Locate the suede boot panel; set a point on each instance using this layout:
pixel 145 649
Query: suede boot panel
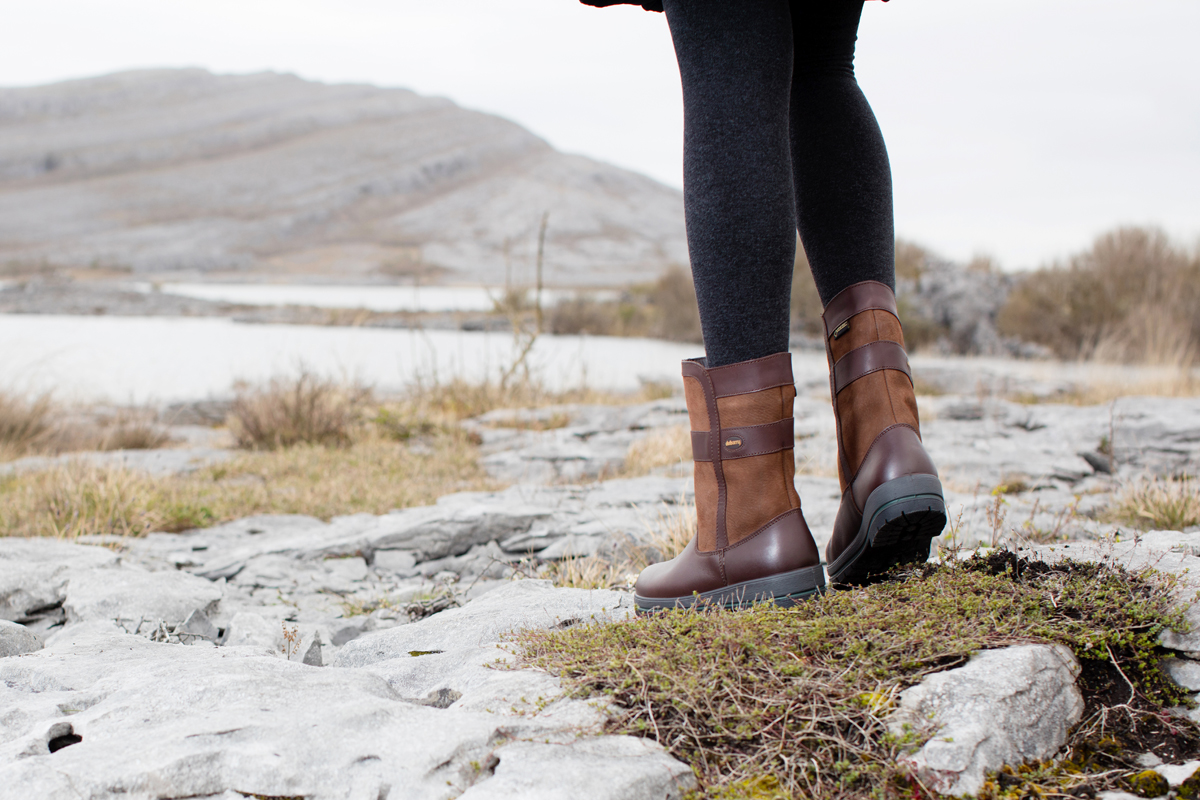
pixel 697 406
pixel 865 327
pixel 706 506
pixel 758 487
pixel 789 475
pixel 757 493
pixel 864 410
pixel 755 408
pixel 904 400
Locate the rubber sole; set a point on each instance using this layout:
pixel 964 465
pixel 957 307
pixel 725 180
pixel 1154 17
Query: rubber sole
pixel 900 520
pixel 785 589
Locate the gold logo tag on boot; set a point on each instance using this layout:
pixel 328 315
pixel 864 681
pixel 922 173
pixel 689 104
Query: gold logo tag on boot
pixel 733 443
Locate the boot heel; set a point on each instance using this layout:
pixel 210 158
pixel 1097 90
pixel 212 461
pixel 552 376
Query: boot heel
pixel 899 521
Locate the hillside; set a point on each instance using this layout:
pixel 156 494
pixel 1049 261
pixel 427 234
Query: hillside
pixel 170 171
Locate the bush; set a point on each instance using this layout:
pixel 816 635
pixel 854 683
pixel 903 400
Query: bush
pixel 1132 297
pixel 40 426
pixel 307 409
pixel 25 425
pixel 665 309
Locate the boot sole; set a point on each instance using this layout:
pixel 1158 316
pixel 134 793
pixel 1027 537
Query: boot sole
pixel 784 590
pixel 900 520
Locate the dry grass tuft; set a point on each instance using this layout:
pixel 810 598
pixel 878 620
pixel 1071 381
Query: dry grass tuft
pixel 26 426
pixel 1158 503
pixel 306 409
pixel 662 448
pixel 666 536
pixel 39 426
pixel 373 475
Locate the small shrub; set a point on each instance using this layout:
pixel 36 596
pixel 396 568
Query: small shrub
pixel 1158 503
pixel 1130 298
pixel 130 429
pixel 665 309
pixel 307 409
pixel 39 426
pixel 25 425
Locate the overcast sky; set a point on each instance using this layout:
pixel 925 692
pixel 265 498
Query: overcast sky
pixel 1018 129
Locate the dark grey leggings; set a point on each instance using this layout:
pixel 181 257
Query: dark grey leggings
pixel 777 138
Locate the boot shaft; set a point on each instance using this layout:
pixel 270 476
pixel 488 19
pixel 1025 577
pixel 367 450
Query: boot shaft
pixel 869 376
pixel 742 443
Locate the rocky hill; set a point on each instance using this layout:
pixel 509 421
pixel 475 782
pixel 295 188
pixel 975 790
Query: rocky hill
pixel 181 170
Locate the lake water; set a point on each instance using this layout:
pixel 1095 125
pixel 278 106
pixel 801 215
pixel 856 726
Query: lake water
pixel 373 298
pixel 162 359
pixel 156 359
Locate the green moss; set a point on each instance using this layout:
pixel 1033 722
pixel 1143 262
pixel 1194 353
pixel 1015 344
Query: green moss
pixel 1190 788
pixel 1147 783
pixel 793 702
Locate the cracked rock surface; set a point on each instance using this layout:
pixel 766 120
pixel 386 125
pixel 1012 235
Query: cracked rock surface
pixel 366 656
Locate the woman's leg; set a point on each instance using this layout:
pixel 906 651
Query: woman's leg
pixel 842 178
pixel 751 542
pixel 735 62
pixel 892 504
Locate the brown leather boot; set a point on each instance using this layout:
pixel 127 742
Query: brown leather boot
pixel 752 542
pixel 892 504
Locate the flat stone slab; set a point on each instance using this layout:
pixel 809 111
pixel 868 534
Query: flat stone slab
pixel 16 639
pixel 1004 706
pixel 105 713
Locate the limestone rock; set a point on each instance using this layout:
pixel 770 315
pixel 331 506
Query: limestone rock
pixel 611 768
pixel 1003 707
pixel 135 596
pixel 17 639
pixel 518 605
pixel 33 573
pixel 1184 672
pixel 248 629
pixel 103 713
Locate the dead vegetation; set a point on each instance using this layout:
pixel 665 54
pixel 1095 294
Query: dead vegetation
pixel 1171 504
pixel 308 445
pixel 39 426
pixel 666 536
pixel 306 409
pixel 668 447
pixel 1130 298
pixel 665 309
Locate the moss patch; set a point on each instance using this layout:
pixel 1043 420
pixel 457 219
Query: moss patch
pixel 793 702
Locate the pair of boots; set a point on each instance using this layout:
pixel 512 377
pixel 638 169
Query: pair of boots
pixel 752 542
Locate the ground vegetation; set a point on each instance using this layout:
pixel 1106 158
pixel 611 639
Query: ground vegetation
pixel 793 703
